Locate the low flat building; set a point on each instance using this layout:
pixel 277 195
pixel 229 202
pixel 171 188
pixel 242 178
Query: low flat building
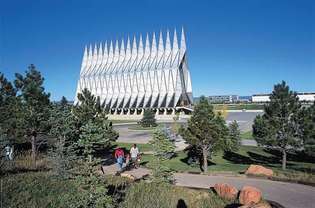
pixel 222 98
pixel 304 97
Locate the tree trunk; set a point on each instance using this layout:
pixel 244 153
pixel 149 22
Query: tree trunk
pixel 90 158
pixel 284 159
pixel 33 141
pixel 205 159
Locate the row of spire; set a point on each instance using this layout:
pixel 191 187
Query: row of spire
pixel 116 50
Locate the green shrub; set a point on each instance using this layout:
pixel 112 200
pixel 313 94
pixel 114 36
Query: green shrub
pixel 148 119
pixel 40 189
pixel 162 195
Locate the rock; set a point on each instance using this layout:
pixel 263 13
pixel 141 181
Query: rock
pixel 126 175
pixel 258 170
pixel 225 191
pixel 259 205
pixel 249 195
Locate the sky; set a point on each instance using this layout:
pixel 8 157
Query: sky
pixel 239 47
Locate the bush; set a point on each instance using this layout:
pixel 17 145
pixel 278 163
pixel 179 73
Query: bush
pixel 23 161
pixel 148 119
pixel 40 189
pixel 161 195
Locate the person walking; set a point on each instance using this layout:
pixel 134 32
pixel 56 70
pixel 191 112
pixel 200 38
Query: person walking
pixel 134 153
pixel 119 155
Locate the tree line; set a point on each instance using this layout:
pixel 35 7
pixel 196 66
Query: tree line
pixel 285 125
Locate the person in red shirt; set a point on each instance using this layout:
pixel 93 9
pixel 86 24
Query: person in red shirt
pixel 119 155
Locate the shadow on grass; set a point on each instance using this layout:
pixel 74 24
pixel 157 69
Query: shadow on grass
pixel 181 204
pixel 262 159
pixel 237 158
pixel 297 156
pixel 196 161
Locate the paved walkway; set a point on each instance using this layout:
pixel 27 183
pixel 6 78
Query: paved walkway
pixel 289 195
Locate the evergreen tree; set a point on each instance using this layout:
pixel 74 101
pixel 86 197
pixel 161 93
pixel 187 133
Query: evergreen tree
pixel 88 107
pixel 278 127
pixel 35 105
pixel 163 149
pixel 95 134
pixel 206 130
pixel 63 101
pixel 11 110
pixel 307 128
pixel 63 127
pixel 148 119
pixel 94 127
pixel 233 142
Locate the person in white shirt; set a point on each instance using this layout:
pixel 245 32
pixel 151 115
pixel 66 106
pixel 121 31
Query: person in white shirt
pixel 134 153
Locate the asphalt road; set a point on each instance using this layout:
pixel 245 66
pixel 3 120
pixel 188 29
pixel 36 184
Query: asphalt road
pixel 289 195
pixel 244 119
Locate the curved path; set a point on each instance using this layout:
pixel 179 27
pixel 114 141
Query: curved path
pixel 289 195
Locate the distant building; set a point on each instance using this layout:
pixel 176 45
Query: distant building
pixel 145 74
pixel 304 97
pixel 244 99
pixel 223 98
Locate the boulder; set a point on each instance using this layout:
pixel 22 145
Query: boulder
pixel 126 175
pixel 259 205
pixel 258 170
pixel 225 191
pixel 249 195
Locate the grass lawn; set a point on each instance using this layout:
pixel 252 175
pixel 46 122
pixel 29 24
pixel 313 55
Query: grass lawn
pixel 247 135
pixel 123 121
pixel 142 147
pixel 138 127
pixel 41 189
pixel 238 106
pixel 236 162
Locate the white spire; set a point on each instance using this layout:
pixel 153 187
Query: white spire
pixel 95 51
pixel 175 42
pixel 168 49
pixel 105 49
pixel 147 46
pixel 85 56
pixel 122 55
pixel 128 52
pixel 90 56
pixel 116 52
pixel 100 54
pixel 100 49
pixel 122 48
pixel 110 53
pixel 183 41
pixel 140 47
pixel 134 47
pixel 153 47
pixel 160 50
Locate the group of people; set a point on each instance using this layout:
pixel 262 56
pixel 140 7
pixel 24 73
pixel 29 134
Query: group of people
pixel 132 158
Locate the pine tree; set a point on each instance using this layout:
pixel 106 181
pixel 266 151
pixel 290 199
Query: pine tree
pixel 11 110
pixel 163 149
pixel 88 107
pixel 63 127
pixel 95 134
pixel 94 127
pixel 278 127
pixel 307 128
pixel 35 105
pixel 206 130
pixel 233 142
pixel 148 119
